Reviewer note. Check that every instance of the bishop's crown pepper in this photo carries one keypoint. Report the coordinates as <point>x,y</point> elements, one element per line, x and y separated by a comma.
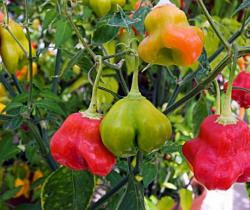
<point>220,154</point>
<point>12,54</point>
<point>133,124</point>
<point>77,143</point>
<point>170,39</point>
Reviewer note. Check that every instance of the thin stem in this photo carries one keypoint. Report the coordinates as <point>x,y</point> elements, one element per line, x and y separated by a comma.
<point>42,146</point>
<point>139,159</point>
<point>216,30</point>
<point>30,57</point>
<point>123,82</point>
<point>78,34</point>
<point>17,84</point>
<point>115,55</point>
<point>226,113</point>
<point>6,84</point>
<point>134,86</point>
<point>207,81</point>
<point>217,87</point>
<point>93,103</point>
<point>57,71</point>
<point>109,194</point>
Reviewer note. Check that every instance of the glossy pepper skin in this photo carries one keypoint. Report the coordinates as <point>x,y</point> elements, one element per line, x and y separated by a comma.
<point>78,145</point>
<point>102,7</point>
<point>242,97</point>
<point>12,54</point>
<point>220,154</point>
<point>171,40</point>
<point>134,123</point>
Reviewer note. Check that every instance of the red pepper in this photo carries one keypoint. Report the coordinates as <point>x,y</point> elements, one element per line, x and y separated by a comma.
<point>78,145</point>
<point>220,155</point>
<point>242,97</point>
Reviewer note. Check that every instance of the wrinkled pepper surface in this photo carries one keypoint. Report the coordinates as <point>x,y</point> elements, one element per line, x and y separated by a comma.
<point>242,97</point>
<point>170,39</point>
<point>12,54</point>
<point>78,145</point>
<point>134,123</point>
<point>220,154</point>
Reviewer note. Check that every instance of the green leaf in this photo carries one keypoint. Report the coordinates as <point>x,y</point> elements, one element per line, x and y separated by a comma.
<point>9,194</point>
<point>63,32</point>
<point>134,197</point>
<point>7,150</point>
<point>67,190</point>
<point>50,106</point>
<point>49,18</point>
<point>200,112</point>
<point>186,199</point>
<point>104,33</point>
<point>149,172</point>
<point>165,203</point>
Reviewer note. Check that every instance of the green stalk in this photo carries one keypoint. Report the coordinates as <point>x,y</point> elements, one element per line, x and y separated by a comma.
<point>227,116</point>
<point>218,108</point>
<point>213,25</point>
<point>92,110</point>
<point>134,91</point>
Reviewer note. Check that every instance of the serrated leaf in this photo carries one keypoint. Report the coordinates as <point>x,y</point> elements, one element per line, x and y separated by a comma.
<point>200,112</point>
<point>186,199</point>
<point>67,190</point>
<point>7,150</point>
<point>49,18</point>
<point>104,34</point>
<point>134,196</point>
<point>63,32</point>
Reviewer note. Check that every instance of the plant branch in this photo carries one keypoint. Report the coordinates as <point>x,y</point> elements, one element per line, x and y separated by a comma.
<point>243,51</point>
<point>78,34</point>
<point>56,71</point>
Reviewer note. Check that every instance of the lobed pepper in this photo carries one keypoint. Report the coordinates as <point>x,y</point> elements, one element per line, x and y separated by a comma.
<point>220,154</point>
<point>170,40</point>
<point>134,123</point>
<point>12,54</point>
<point>78,145</point>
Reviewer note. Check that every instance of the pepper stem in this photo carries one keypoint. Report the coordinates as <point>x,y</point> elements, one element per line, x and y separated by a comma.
<point>217,87</point>
<point>227,116</point>
<point>134,91</point>
<point>92,110</point>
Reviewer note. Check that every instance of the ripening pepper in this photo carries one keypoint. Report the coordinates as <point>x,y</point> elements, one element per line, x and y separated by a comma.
<point>220,154</point>
<point>242,97</point>
<point>170,39</point>
<point>23,73</point>
<point>134,123</point>
<point>78,145</point>
<point>102,7</point>
<point>12,54</point>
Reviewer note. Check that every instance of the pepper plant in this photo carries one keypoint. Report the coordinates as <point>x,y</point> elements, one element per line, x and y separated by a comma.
<point>99,100</point>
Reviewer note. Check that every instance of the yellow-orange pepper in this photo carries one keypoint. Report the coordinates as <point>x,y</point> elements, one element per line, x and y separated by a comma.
<point>170,39</point>
<point>13,55</point>
<point>23,73</point>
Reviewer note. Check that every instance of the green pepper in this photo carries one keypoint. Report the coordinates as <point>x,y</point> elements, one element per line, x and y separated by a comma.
<point>134,123</point>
